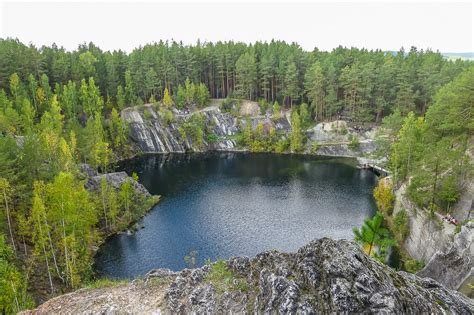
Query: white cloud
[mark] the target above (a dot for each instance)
(445, 26)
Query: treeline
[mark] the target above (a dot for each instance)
(433, 154)
(360, 84)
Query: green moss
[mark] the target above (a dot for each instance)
(106, 283)
(413, 265)
(223, 279)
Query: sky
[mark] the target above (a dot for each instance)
(445, 26)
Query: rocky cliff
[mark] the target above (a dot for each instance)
(151, 134)
(325, 276)
(449, 256)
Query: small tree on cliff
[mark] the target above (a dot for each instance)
(167, 100)
(373, 234)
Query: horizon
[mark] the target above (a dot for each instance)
(170, 41)
(387, 26)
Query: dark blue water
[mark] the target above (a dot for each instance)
(229, 204)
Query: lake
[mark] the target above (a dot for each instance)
(233, 204)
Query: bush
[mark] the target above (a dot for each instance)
(147, 114)
(223, 279)
(400, 225)
(212, 137)
(384, 197)
(282, 145)
(263, 104)
(228, 104)
(354, 142)
(314, 147)
(412, 265)
(167, 116)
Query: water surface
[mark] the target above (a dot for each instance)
(231, 204)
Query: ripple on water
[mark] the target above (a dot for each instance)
(224, 205)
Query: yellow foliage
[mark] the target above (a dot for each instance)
(384, 196)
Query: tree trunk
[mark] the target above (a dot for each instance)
(9, 220)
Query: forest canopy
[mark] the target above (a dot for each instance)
(365, 85)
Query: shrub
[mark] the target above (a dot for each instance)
(400, 225)
(384, 197)
(354, 142)
(167, 116)
(212, 137)
(147, 114)
(314, 147)
(223, 279)
(282, 145)
(412, 265)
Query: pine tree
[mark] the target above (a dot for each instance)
(5, 193)
(246, 75)
(291, 90)
(296, 135)
(373, 234)
(314, 87)
(120, 98)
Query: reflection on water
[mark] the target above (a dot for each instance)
(230, 204)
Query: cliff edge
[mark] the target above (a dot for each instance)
(325, 276)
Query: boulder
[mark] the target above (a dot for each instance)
(115, 180)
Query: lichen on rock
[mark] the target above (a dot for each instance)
(325, 276)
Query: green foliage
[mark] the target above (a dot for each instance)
(401, 227)
(212, 137)
(147, 114)
(314, 147)
(314, 88)
(246, 75)
(304, 116)
(167, 100)
(282, 145)
(193, 129)
(408, 147)
(13, 285)
(373, 236)
(224, 280)
(384, 196)
(106, 283)
(296, 135)
(354, 142)
(167, 115)
(276, 111)
(412, 265)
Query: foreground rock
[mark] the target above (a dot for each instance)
(325, 276)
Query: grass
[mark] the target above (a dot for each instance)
(106, 283)
(223, 279)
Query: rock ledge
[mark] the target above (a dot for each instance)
(325, 276)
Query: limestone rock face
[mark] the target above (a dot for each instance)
(325, 276)
(448, 256)
(151, 134)
(115, 180)
(452, 266)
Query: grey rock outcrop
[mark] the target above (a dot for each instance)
(454, 265)
(115, 180)
(325, 276)
(448, 256)
(152, 134)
